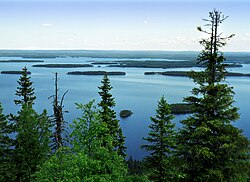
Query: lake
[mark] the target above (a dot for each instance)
(134, 91)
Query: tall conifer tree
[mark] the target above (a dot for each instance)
(161, 142)
(32, 132)
(32, 142)
(108, 116)
(210, 148)
(25, 89)
(6, 148)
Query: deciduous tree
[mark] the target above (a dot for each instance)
(89, 159)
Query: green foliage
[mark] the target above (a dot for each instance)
(6, 148)
(137, 178)
(108, 116)
(25, 90)
(25, 137)
(59, 167)
(32, 141)
(181, 108)
(88, 128)
(88, 160)
(161, 143)
(69, 167)
(210, 148)
(86, 134)
(135, 167)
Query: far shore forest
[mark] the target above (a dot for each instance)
(208, 146)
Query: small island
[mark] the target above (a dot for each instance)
(62, 65)
(169, 73)
(125, 113)
(105, 63)
(14, 72)
(96, 73)
(177, 109)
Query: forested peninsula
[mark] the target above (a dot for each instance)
(187, 73)
(158, 64)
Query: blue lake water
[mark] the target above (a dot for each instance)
(135, 91)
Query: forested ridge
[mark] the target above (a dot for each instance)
(208, 147)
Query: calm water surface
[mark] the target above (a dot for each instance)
(135, 91)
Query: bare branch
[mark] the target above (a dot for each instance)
(63, 97)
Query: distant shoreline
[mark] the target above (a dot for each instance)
(14, 72)
(234, 57)
(60, 65)
(166, 73)
(157, 64)
(185, 73)
(21, 61)
(96, 73)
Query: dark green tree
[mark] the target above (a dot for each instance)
(108, 116)
(32, 142)
(135, 167)
(6, 148)
(160, 143)
(32, 133)
(25, 89)
(210, 148)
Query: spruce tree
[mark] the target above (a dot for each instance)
(108, 116)
(25, 89)
(210, 148)
(32, 142)
(32, 133)
(6, 148)
(135, 167)
(160, 143)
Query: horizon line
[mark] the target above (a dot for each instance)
(150, 50)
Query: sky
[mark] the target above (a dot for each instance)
(118, 24)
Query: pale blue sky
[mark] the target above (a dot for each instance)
(118, 24)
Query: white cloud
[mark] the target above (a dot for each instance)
(145, 22)
(46, 25)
